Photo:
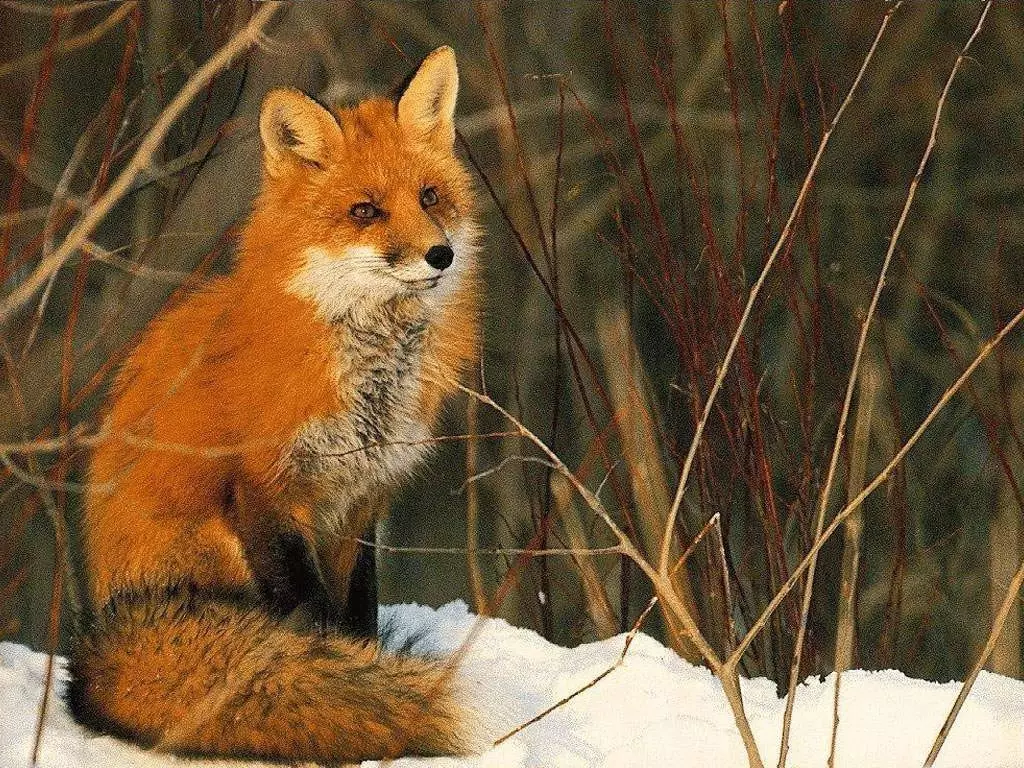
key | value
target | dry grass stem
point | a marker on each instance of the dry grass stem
(638, 436)
(476, 581)
(867, 394)
(598, 606)
(1006, 540)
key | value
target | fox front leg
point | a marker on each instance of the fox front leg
(349, 568)
(334, 594)
(324, 578)
(275, 539)
(361, 603)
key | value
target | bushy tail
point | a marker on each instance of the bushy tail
(200, 674)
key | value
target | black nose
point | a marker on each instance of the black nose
(440, 256)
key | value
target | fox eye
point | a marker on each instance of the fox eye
(364, 211)
(428, 197)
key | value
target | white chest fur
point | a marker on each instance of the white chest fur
(379, 436)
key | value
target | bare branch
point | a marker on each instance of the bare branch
(794, 669)
(1009, 602)
(723, 368)
(238, 44)
(83, 40)
(882, 476)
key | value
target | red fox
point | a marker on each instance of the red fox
(253, 433)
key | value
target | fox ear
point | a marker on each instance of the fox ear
(427, 105)
(294, 129)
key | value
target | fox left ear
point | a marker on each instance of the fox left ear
(295, 129)
(427, 105)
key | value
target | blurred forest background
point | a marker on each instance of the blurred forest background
(636, 163)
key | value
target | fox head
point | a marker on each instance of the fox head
(369, 203)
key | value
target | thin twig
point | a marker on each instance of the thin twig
(723, 368)
(238, 44)
(794, 670)
(500, 466)
(42, 483)
(882, 476)
(73, 437)
(613, 550)
(83, 40)
(730, 624)
(1009, 602)
(425, 441)
(77, 437)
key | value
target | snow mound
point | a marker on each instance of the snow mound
(655, 710)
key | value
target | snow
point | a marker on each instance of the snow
(655, 710)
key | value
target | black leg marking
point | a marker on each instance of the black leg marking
(287, 574)
(361, 606)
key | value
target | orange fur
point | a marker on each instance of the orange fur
(224, 425)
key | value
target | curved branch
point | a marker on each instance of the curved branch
(238, 44)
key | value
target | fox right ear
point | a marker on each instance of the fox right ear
(294, 129)
(427, 105)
